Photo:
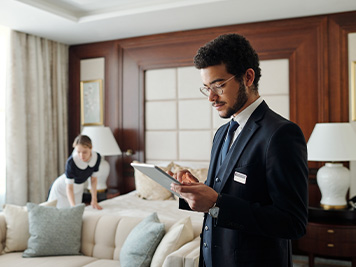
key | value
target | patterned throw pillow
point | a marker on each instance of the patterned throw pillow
(54, 231)
(141, 243)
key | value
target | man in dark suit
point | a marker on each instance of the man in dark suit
(255, 195)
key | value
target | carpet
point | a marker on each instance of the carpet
(302, 261)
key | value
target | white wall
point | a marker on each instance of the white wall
(180, 121)
(352, 57)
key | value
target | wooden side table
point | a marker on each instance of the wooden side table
(331, 234)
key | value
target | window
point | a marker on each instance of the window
(4, 37)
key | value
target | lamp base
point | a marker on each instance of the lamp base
(103, 173)
(333, 207)
(334, 181)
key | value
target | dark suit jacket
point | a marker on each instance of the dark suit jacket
(258, 218)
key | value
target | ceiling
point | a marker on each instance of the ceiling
(85, 21)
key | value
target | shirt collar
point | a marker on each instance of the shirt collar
(244, 115)
(84, 164)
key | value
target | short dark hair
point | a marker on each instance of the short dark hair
(233, 50)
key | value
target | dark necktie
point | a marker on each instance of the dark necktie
(230, 133)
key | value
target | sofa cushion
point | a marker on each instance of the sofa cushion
(178, 234)
(54, 231)
(141, 243)
(15, 259)
(149, 189)
(187, 255)
(17, 233)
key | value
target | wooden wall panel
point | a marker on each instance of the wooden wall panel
(317, 74)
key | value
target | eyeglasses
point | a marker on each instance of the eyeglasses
(216, 88)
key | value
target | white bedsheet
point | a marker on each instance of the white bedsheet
(133, 206)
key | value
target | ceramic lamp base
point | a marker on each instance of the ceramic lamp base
(103, 173)
(334, 181)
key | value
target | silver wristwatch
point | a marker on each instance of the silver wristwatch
(214, 211)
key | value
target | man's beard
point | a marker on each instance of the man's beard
(241, 100)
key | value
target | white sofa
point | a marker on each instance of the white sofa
(104, 231)
(103, 236)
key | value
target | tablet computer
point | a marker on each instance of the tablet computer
(156, 174)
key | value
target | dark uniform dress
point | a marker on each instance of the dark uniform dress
(77, 172)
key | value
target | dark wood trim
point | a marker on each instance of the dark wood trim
(340, 25)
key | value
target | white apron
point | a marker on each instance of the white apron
(59, 192)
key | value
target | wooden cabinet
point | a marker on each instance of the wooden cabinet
(329, 239)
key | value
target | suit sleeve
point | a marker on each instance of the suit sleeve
(286, 174)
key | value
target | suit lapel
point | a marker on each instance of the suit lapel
(239, 145)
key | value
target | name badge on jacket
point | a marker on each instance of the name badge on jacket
(240, 177)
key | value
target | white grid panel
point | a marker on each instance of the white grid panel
(180, 121)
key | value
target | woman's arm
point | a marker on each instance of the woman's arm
(94, 199)
(70, 194)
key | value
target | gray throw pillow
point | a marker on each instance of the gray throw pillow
(54, 231)
(141, 243)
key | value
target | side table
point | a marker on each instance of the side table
(331, 234)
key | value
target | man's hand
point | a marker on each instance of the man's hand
(199, 196)
(184, 177)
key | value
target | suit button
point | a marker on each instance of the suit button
(217, 179)
(206, 228)
(205, 245)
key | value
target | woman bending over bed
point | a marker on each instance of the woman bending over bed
(83, 164)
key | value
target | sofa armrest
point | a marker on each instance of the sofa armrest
(185, 256)
(2, 232)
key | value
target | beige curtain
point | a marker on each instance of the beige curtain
(36, 117)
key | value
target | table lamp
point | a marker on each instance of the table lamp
(104, 143)
(332, 143)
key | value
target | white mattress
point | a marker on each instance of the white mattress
(133, 206)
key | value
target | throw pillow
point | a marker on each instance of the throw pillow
(17, 234)
(178, 234)
(141, 243)
(54, 231)
(148, 189)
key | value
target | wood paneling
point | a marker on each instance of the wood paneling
(315, 46)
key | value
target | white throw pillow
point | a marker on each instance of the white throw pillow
(178, 234)
(149, 189)
(17, 233)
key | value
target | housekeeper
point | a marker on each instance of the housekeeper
(83, 164)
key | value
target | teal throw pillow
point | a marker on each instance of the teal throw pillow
(141, 243)
(54, 231)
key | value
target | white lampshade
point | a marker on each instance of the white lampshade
(103, 140)
(104, 143)
(332, 142)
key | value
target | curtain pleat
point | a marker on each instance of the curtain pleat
(36, 112)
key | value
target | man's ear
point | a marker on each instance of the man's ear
(249, 77)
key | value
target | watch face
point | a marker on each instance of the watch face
(214, 212)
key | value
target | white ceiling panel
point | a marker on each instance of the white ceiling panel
(85, 21)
